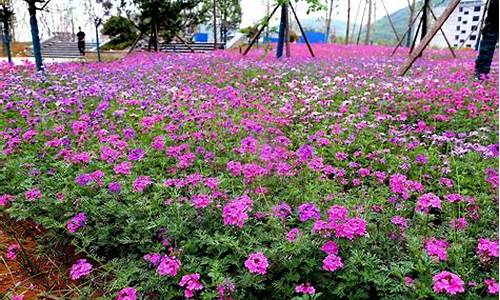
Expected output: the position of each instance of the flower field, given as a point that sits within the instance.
(217, 176)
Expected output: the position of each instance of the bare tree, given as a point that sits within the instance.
(328, 21)
(348, 21)
(411, 7)
(369, 22)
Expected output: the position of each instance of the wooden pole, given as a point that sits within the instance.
(411, 20)
(328, 22)
(256, 37)
(361, 24)
(410, 27)
(355, 21)
(134, 44)
(416, 36)
(287, 34)
(428, 37)
(444, 35)
(390, 20)
(302, 31)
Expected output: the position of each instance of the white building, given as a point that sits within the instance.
(462, 27)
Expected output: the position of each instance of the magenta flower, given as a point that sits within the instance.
(447, 282)
(169, 266)
(140, 183)
(191, 284)
(76, 222)
(201, 201)
(33, 194)
(80, 269)
(436, 248)
(492, 285)
(127, 293)
(305, 288)
(426, 202)
(487, 248)
(332, 263)
(257, 263)
(330, 248)
(12, 250)
(235, 212)
(292, 234)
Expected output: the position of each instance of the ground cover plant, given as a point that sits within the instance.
(213, 176)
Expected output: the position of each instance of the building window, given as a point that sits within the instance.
(475, 18)
(468, 46)
(461, 41)
(455, 45)
(477, 8)
(463, 31)
(472, 37)
(466, 12)
(464, 22)
(459, 19)
(461, 9)
(473, 28)
(456, 37)
(458, 28)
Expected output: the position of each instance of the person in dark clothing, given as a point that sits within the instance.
(488, 41)
(81, 41)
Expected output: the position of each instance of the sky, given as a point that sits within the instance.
(253, 10)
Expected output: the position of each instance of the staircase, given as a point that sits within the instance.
(61, 46)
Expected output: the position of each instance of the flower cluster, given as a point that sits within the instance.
(257, 263)
(80, 269)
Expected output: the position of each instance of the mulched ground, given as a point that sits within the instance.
(31, 274)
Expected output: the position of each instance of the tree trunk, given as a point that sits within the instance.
(214, 12)
(281, 35)
(6, 40)
(410, 19)
(368, 23)
(287, 35)
(329, 22)
(35, 37)
(348, 22)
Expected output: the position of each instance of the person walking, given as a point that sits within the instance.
(81, 41)
(488, 42)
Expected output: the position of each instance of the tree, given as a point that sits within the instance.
(122, 30)
(328, 21)
(35, 36)
(411, 7)
(369, 23)
(6, 17)
(162, 18)
(348, 22)
(230, 15)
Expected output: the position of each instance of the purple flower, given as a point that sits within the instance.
(308, 211)
(257, 263)
(76, 222)
(127, 293)
(332, 263)
(80, 269)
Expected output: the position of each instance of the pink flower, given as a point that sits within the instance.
(127, 293)
(448, 282)
(257, 263)
(436, 248)
(235, 212)
(330, 248)
(17, 297)
(426, 201)
(332, 263)
(12, 251)
(305, 288)
(487, 248)
(140, 183)
(292, 234)
(80, 269)
(492, 285)
(191, 284)
(33, 194)
(6, 199)
(123, 168)
(201, 201)
(459, 223)
(169, 266)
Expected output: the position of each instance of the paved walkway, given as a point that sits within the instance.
(21, 60)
